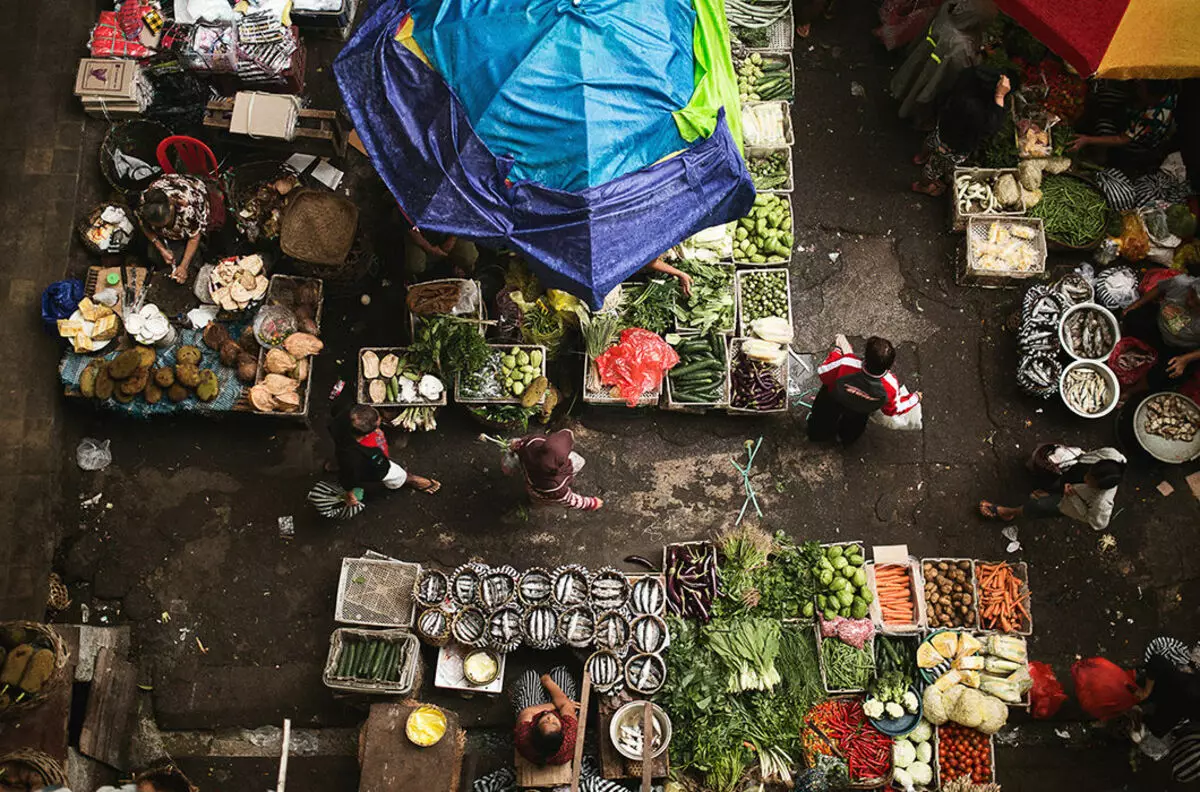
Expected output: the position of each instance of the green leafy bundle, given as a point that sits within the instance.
(447, 345)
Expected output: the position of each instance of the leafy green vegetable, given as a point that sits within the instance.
(710, 305)
(447, 345)
(749, 648)
(650, 305)
(599, 331)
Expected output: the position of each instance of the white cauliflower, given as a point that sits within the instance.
(430, 387)
(910, 702)
(893, 710)
(873, 708)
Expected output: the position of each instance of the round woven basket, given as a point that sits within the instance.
(40, 636)
(136, 138)
(47, 767)
(85, 225)
(318, 227)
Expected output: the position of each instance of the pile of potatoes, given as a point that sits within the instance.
(949, 593)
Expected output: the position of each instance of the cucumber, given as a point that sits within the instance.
(350, 650)
(381, 659)
(343, 661)
(368, 658)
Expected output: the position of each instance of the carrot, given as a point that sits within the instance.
(1001, 603)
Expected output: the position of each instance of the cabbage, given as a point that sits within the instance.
(969, 709)
(903, 753)
(923, 732)
(995, 715)
(924, 752)
(921, 772)
(902, 778)
(935, 706)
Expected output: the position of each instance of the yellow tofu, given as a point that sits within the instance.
(83, 343)
(69, 328)
(105, 328)
(88, 309)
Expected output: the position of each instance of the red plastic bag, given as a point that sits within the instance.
(1129, 374)
(1153, 277)
(636, 364)
(1103, 688)
(904, 20)
(1047, 694)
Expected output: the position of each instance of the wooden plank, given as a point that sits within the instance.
(538, 776)
(281, 782)
(581, 734)
(111, 710)
(647, 732)
(390, 763)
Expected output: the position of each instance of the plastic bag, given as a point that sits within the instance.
(904, 20)
(1135, 240)
(1104, 689)
(910, 421)
(1047, 694)
(92, 454)
(1128, 367)
(59, 301)
(636, 364)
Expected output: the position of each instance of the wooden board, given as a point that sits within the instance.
(613, 766)
(44, 728)
(96, 282)
(390, 763)
(111, 711)
(540, 776)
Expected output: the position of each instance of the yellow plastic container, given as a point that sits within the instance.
(426, 725)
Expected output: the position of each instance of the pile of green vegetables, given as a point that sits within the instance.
(846, 667)
(765, 235)
(710, 305)
(766, 575)
(370, 659)
(511, 416)
(842, 582)
(1073, 212)
(649, 305)
(699, 377)
(769, 171)
(896, 655)
(446, 345)
(519, 367)
(764, 78)
(763, 294)
(756, 13)
(749, 38)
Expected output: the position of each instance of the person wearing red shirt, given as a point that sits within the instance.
(852, 388)
(546, 716)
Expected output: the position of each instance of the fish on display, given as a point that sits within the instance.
(1172, 417)
(1087, 390)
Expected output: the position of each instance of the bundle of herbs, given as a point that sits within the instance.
(649, 305)
(447, 345)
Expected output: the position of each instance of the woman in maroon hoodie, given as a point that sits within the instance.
(550, 464)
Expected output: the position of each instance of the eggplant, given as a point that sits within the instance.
(642, 562)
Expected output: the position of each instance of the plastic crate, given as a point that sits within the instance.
(479, 314)
(376, 593)
(406, 662)
(937, 773)
(787, 186)
(868, 647)
(604, 394)
(778, 55)
(791, 229)
(502, 348)
(978, 229)
(789, 138)
(743, 326)
(682, 328)
(671, 404)
(363, 398)
(781, 34)
(782, 370)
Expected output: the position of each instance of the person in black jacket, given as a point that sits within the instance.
(972, 112)
(362, 455)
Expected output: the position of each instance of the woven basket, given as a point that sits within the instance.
(42, 637)
(167, 778)
(85, 225)
(59, 598)
(137, 138)
(50, 769)
(318, 227)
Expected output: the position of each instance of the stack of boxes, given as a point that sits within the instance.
(112, 88)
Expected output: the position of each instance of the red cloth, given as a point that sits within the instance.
(523, 739)
(376, 439)
(1047, 694)
(1103, 688)
(1079, 31)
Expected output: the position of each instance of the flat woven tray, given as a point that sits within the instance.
(376, 593)
(318, 227)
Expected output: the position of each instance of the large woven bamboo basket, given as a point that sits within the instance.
(25, 761)
(40, 636)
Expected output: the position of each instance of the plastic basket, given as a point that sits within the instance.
(743, 326)
(406, 663)
(671, 404)
(789, 137)
(771, 262)
(782, 370)
(978, 230)
(974, 613)
(604, 394)
(460, 397)
(318, 227)
(779, 54)
(1021, 570)
(780, 34)
(376, 593)
(40, 636)
(759, 151)
(958, 222)
(363, 398)
(478, 314)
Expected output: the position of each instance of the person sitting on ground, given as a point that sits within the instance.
(852, 388)
(363, 458)
(1173, 330)
(972, 113)
(174, 215)
(550, 465)
(1084, 492)
(547, 722)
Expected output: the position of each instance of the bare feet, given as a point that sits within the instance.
(930, 189)
(803, 31)
(993, 512)
(428, 486)
(920, 159)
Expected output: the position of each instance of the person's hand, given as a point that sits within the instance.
(918, 395)
(167, 256)
(351, 500)
(685, 283)
(1003, 86)
(180, 273)
(1079, 142)
(1040, 493)
(1177, 365)
(843, 343)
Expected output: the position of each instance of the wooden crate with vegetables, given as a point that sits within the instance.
(770, 168)
(767, 124)
(1003, 590)
(763, 294)
(372, 661)
(701, 379)
(949, 592)
(984, 193)
(765, 235)
(389, 367)
(505, 377)
(758, 377)
(963, 752)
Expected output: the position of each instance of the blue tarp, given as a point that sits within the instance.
(578, 93)
(446, 179)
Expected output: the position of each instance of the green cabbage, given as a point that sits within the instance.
(921, 773)
(923, 732)
(903, 753)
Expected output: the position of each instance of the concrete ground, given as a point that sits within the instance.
(185, 521)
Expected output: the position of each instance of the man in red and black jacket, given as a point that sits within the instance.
(852, 388)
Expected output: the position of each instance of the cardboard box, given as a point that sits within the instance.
(260, 114)
(100, 77)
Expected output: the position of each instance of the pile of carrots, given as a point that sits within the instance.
(1002, 605)
(893, 587)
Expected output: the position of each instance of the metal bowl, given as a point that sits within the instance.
(1114, 387)
(1162, 449)
(632, 714)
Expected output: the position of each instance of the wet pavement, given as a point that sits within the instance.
(186, 522)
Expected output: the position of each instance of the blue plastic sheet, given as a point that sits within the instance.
(59, 301)
(421, 142)
(577, 92)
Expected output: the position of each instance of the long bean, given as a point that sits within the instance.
(846, 668)
(1072, 211)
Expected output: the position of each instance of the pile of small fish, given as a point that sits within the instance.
(1038, 374)
(470, 627)
(649, 634)
(612, 631)
(535, 586)
(606, 671)
(1039, 369)
(570, 585)
(464, 584)
(434, 626)
(632, 739)
(577, 626)
(504, 630)
(610, 589)
(645, 673)
(1074, 288)
(648, 596)
(1087, 390)
(540, 627)
(432, 587)
(1089, 334)
(1172, 417)
(498, 587)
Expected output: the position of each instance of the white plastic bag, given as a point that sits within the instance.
(92, 454)
(910, 421)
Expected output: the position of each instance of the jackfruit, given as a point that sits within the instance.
(124, 364)
(208, 387)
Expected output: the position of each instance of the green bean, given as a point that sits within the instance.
(1072, 211)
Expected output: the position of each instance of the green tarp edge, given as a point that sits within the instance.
(716, 82)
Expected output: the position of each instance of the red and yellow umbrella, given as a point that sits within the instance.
(1116, 39)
